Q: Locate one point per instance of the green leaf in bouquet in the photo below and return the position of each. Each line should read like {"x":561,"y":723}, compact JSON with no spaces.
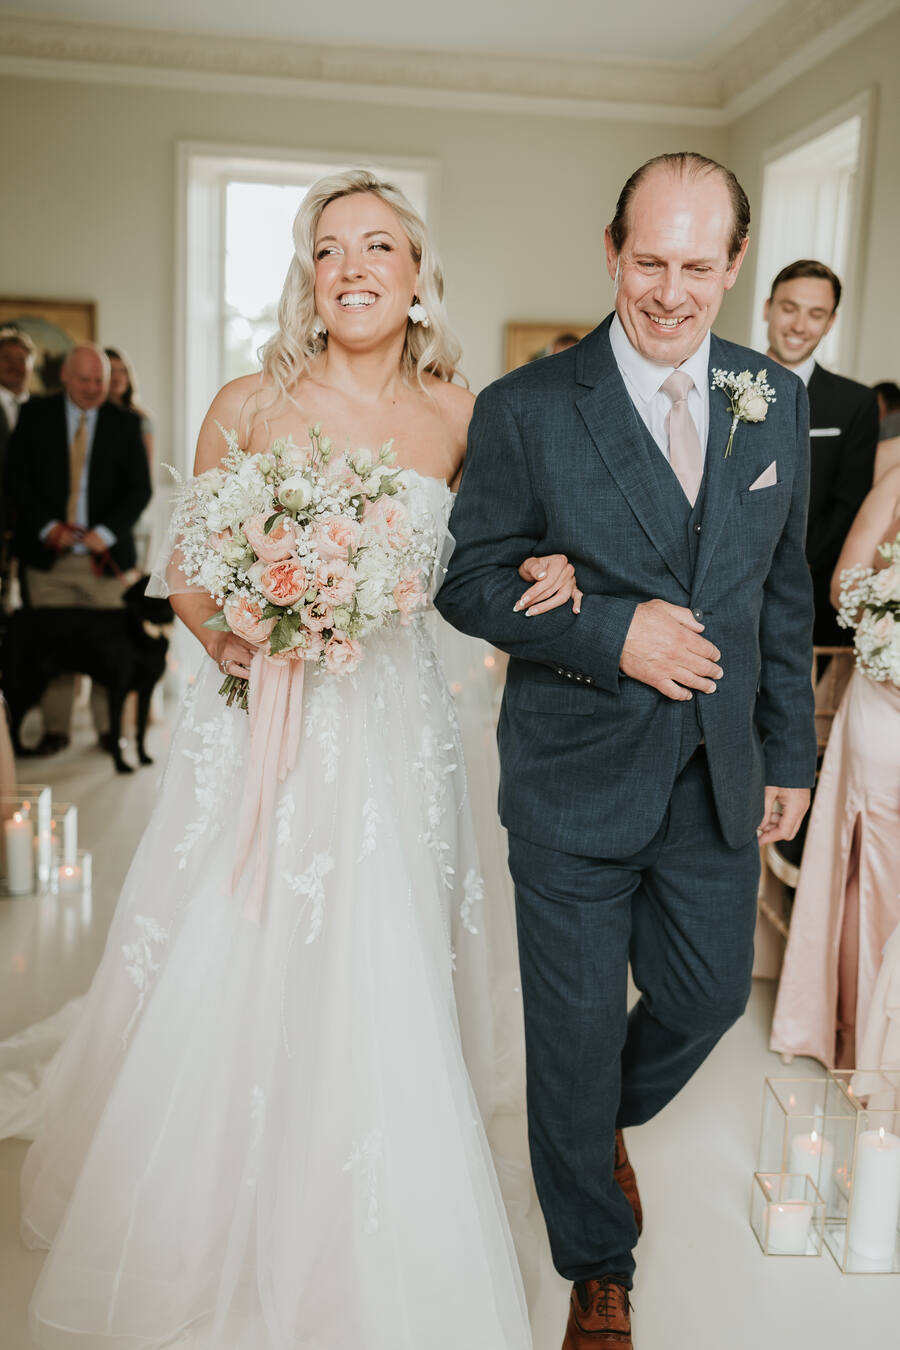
{"x":284,"y":632}
{"x":271,"y":611}
{"x":217,"y":622}
{"x":274,"y":520}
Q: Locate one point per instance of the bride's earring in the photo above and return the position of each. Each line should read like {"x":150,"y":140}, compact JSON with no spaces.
{"x":318,"y":328}
{"x":418,"y":313}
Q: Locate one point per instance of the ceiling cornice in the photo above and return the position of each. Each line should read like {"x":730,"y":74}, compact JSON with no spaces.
{"x":802,"y":33}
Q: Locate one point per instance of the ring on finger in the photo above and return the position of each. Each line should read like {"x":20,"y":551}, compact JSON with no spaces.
{"x":223,"y":666}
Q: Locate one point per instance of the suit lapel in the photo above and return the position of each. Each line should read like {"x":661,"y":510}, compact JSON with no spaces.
{"x":615,"y":428}
{"x":720,"y":475}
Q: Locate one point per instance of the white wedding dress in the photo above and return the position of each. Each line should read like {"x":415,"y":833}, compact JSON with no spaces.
{"x":270,"y":1137}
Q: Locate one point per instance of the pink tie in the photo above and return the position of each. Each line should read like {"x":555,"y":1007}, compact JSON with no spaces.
{"x":685,"y":450}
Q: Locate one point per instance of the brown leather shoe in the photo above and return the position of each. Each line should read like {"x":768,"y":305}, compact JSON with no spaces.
{"x":624,"y":1174}
{"x":599,"y":1316}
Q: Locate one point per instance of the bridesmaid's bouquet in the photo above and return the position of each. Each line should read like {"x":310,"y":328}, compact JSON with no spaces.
{"x":870,"y":603}
{"x":308,"y":550}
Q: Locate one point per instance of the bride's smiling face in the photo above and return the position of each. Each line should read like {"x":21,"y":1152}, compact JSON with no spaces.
{"x":366,"y":274}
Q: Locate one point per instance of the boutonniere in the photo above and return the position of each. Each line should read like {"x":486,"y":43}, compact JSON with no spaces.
{"x":749,"y":398}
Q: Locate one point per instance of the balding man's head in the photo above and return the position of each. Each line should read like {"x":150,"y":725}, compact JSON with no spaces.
{"x":85,"y":376}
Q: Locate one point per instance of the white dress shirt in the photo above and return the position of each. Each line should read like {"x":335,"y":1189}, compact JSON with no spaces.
{"x":644,"y":380}
{"x":805,"y":369}
{"x":11,"y":405}
{"x":74,"y":415}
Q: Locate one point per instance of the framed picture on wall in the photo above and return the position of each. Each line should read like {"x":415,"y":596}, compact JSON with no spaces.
{"x":527,"y":341}
{"x":55,"y":327}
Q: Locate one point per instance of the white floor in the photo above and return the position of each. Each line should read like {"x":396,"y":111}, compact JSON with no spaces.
{"x":702,"y":1283}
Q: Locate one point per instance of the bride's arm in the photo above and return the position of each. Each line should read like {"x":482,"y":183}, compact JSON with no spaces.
{"x":195,"y":607}
{"x":876,"y":523}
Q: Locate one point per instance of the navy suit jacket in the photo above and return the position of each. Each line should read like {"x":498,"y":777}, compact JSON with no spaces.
{"x":557,"y":463}
{"x":37,"y":477}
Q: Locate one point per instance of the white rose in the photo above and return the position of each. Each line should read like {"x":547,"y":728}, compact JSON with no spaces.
{"x":754,"y":407}
{"x":886,"y":583}
{"x":233,"y":552}
{"x":883,"y":629}
{"x":362,"y":459}
{"x":295,"y":492}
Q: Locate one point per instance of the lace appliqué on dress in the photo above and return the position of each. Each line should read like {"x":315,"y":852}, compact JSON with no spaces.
{"x":212,"y":762}
{"x":473,"y":894}
{"x":366,"y":1158}
{"x":143,"y":958}
{"x":434,"y":764}
{"x":322,"y":718}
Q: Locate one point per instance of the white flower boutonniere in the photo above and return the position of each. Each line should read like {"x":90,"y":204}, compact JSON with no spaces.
{"x":749,"y":397}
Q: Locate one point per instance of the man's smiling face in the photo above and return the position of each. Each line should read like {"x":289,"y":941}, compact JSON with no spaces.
{"x":673,"y":269}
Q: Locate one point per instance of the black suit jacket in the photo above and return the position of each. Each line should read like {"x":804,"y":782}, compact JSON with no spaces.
{"x":843,"y":431}
{"x":37,"y":477}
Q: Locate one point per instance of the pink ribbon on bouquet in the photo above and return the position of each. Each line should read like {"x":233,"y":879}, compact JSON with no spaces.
{"x":276,"y":720}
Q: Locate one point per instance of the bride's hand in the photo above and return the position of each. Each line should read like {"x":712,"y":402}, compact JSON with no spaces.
{"x":554,"y":584}
{"x":231,"y":654}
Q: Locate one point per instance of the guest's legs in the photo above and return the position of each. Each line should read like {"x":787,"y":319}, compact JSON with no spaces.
{"x":693,"y":920}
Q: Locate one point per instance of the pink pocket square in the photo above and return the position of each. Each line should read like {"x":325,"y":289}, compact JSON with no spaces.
{"x":768,"y":478}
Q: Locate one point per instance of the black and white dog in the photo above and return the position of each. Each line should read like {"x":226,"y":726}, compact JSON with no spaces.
{"x":121,"y":649}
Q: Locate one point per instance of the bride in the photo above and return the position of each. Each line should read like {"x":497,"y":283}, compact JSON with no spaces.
{"x":270,"y":1136}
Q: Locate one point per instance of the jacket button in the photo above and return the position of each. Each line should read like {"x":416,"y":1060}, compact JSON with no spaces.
{"x":698,"y":529}
{"x":698,"y":615}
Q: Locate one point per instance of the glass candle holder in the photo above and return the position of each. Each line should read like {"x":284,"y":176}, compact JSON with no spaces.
{"x":792,"y":1134}
{"x":787,"y":1214}
{"x":25,"y":816}
{"x":862,"y":1124}
{"x":64,"y":832}
{"x":73,"y":879}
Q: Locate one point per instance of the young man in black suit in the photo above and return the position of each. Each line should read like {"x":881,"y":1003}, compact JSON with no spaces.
{"x":843,"y":424}
{"x":77,"y":479}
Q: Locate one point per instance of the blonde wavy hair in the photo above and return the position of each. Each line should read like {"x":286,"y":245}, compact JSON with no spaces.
{"x":287,"y":355}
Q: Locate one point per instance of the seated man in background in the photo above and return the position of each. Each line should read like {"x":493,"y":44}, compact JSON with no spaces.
{"x":843,"y":424}
{"x":77,"y":480}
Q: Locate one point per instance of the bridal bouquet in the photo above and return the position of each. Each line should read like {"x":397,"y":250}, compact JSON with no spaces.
{"x":870,"y":603}
{"x":307,"y":549}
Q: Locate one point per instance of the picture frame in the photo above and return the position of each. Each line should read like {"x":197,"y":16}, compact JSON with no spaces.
{"x":527,"y":341}
{"x":55,"y":327}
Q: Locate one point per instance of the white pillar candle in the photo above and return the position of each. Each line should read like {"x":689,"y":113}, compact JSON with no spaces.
{"x":875,"y":1201}
{"x":70,"y":834}
{"x":814,"y":1156}
{"x":19,"y":833}
{"x":788,"y":1228}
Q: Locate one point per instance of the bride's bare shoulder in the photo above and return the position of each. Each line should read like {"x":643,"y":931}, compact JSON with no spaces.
{"x":230,"y":410}
{"x":455,"y":404}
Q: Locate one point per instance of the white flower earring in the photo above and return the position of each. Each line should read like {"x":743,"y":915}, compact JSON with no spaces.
{"x":318,"y":328}
{"x":418,"y":313}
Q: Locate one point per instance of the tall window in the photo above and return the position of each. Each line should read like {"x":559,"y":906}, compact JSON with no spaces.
{"x":236,"y":211}
{"x":811,"y":205}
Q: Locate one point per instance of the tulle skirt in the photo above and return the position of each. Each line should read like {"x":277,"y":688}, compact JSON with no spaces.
{"x":270,"y":1136}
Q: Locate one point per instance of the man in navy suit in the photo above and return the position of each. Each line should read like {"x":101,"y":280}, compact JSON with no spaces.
{"x":77,"y":478}
{"x":651,"y":741}
{"x":843,"y":425}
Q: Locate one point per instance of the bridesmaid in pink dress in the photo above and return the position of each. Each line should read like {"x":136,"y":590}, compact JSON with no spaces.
{"x":848,"y":897}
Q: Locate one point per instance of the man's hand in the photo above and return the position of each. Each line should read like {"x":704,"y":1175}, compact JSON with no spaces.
{"x":663,"y":648}
{"x":61,"y":537}
{"x":94,"y":542}
{"x":784,"y":810}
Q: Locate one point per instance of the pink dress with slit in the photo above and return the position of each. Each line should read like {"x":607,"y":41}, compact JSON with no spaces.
{"x":847,"y":903}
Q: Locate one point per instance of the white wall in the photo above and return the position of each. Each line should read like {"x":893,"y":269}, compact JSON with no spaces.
{"x":523,"y":203}
{"x":871,"y":61}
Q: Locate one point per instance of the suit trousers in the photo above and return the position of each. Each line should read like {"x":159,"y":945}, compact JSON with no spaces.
{"x":682,"y":911}
{"x":71,"y":584}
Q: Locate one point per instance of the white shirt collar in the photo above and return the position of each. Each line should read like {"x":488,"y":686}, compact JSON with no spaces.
{"x":804,"y":370}
{"x":647,"y":376}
